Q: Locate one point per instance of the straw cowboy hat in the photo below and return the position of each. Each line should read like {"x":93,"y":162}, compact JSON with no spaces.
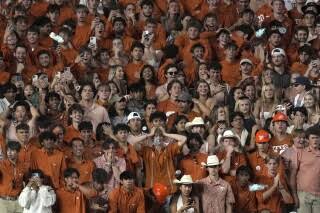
{"x":195,"y":122}
{"x":185,"y":179}
{"x":212,"y":160}
{"x":229,"y":134}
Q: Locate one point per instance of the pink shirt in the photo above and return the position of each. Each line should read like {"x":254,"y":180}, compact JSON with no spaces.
{"x":215,"y":195}
{"x":307,"y":162}
{"x":102,"y":163}
{"x":96,"y":114}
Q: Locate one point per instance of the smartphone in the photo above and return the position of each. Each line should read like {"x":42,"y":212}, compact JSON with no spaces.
{"x":67,"y":74}
{"x":19,"y":78}
{"x":146,"y":34}
{"x":34,"y":79}
{"x":56,"y":37}
{"x":190,"y":201}
{"x":93,"y":40}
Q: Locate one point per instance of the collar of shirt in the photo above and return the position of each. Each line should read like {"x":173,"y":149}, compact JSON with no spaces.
{"x":73,"y":160}
{"x":123,"y":191}
{"x":209,"y":181}
{"x":47,"y":153}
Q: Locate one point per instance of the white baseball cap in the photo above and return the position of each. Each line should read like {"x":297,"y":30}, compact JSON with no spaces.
{"x":133,"y":115}
{"x":246,"y":60}
{"x":278,"y":51}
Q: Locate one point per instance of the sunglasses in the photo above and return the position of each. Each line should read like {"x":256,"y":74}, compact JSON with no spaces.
{"x":172,"y":73}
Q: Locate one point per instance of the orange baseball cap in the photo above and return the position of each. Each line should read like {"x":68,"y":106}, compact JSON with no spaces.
{"x":279,"y":116}
{"x":161,"y":192}
{"x":262,"y":136}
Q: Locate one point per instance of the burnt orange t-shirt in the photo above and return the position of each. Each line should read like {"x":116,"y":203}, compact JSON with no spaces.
{"x":25,"y":153}
{"x":299,"y":67}
{"x":71,"y":132}
{"x":131,"y":157}
{"x":237,"y":160}
{"x":52,"y":165}
{"x":132,"y":71}
{"x":69,"y":201}
{"x":246,"y":201}
{"x":168,"y":105}
{"x":85,"y":168}
{"x":191,"y":165}
{"x":121,"y":201}
{"x":159,"y":167}
{"x":231,"y":72}
{"x":10,"y":173}
{"x":279,"y":146}
{"x":275,"y":202}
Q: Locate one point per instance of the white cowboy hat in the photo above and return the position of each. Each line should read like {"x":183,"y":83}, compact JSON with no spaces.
{"x":195,"y":122}
{"x":186,"y":179}
{"x":212,"y":160}
{"x":229,"y":134}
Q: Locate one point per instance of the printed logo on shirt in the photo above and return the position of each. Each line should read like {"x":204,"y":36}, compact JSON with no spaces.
{"x":258,"y":168}
{"x":280,"y":149}
{"x":221,"y":188}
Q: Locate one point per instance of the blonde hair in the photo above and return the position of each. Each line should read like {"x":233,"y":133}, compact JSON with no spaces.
{"x":237,"y":106}
{"x":316,"y":101}
{"x":263,"y":90}
{"x":112,"y":71}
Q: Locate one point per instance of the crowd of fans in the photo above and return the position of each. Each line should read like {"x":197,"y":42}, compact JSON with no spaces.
{"x":158,"y":106}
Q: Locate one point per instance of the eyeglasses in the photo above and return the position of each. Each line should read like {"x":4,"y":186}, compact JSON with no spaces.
{"x":182,"y":101}
{"x":172,"y":73}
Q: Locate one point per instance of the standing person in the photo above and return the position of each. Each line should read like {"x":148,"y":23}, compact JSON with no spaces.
{"x":27,"y":147}
{"x":125,"y":149}
{"x":275,"y":193}
{"x":281,"y":140}
{"x":37,"y":197}
{"x":191,"y":163}
{"x":304,"y":178}
{"x":127,"y":197}
{"x":232,"y":155}
{"x":11,"y":179}
{"x":158,"y":157}
{"x":48,"y":159}
{"x":70,"y":198}
{"x":76,"y":113}
{"x":92,"y":111}
{"x":216,"y":193}
{"x":185,"y":200}
{"x":258,"y":157}
{"x":299,"y":142}
{"x":112,"y":164}
{"x":99,"y":190}
{"x":78,"y":161}
{"x":245,"y":199}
